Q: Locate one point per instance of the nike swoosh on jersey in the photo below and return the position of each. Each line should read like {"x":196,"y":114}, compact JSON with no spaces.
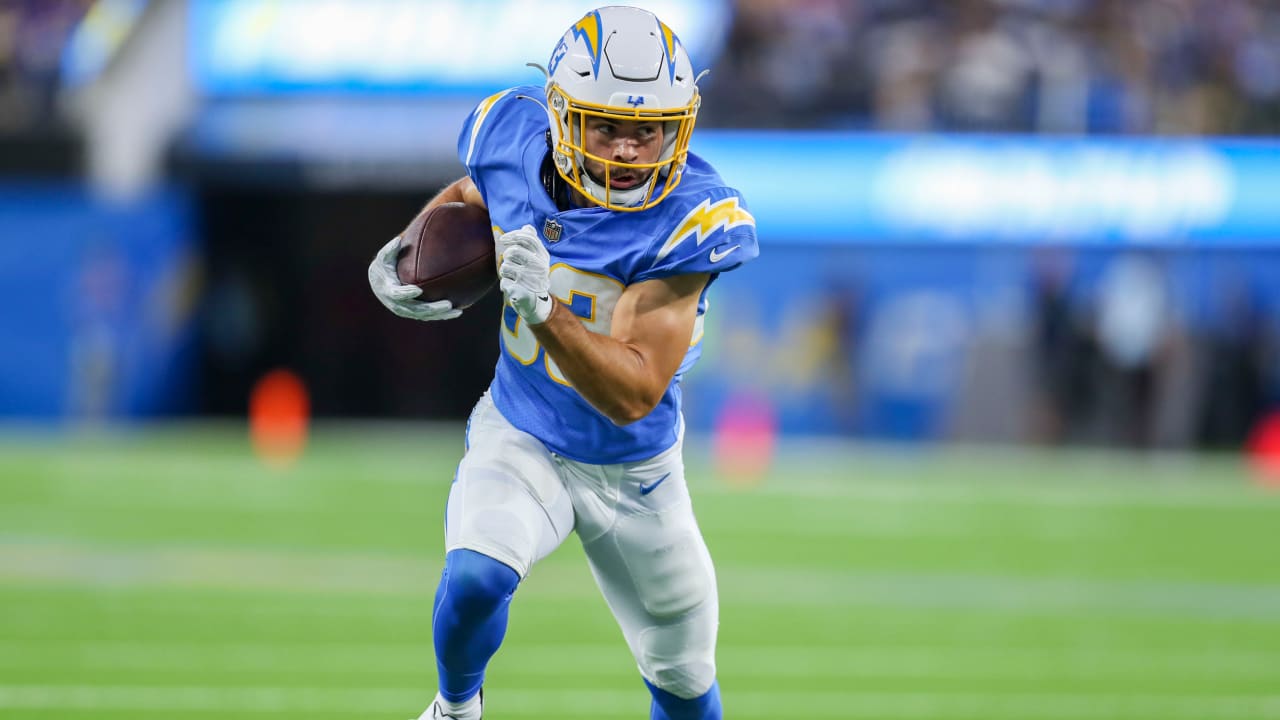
{"x":718,"y":256}
{"x":646,"y":489}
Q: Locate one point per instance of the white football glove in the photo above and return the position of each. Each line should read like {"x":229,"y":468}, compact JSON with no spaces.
{"x":525,"y":269}
{"x":401,"y":299}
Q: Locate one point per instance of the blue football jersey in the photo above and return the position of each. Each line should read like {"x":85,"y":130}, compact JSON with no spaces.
{"x":701,"y":227}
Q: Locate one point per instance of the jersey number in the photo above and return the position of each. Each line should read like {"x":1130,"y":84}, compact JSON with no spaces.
{"x":590,"y":296}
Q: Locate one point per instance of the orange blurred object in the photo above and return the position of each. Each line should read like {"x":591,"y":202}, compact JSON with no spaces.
{"x":279,"y":415}
{"x":1264,"y":449}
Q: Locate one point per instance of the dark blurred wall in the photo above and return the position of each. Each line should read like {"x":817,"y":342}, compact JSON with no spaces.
{"x":288,"y":288}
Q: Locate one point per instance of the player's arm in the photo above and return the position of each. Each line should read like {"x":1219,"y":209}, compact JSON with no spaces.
{"x":403,"y":299}
{"x":625,"y":374}
{"x":461,"y":190}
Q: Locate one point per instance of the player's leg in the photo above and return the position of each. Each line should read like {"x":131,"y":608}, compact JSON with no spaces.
{"x":653,"y":567}
{"x":469,"y":620}
{"x":507,"y":509}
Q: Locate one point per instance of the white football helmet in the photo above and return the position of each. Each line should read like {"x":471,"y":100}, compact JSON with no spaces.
{"x":622,"y":63}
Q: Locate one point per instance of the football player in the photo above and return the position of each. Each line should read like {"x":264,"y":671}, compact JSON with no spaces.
{"x":609,"y":234}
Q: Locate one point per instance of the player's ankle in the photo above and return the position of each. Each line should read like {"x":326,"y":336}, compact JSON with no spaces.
{"x":468,"y":709}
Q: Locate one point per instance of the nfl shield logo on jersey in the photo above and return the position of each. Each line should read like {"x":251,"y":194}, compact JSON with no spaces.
{"x":551,"y":230}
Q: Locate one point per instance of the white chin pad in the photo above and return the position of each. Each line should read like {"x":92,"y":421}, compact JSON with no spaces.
{"x":626,"y":198}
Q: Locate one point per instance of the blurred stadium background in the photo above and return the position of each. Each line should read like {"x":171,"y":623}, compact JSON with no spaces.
{"x":991,"y":430}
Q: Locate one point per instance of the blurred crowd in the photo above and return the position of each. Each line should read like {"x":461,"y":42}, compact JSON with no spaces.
{"x":33,"y":34}
{"x":1053,"y":346}
{"x":1053,"y":66}
{"x":1129,"y":364}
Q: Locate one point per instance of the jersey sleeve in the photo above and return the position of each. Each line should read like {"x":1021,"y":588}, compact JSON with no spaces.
{"x":715,"y":235}
{"x":486,"y":139}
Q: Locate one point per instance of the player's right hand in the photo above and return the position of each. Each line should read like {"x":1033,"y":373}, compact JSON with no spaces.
{"x":524,"y":269}
{"x":402,"y":299}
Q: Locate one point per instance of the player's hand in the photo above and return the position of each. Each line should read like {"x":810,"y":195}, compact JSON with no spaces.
{"x":402,"y":299}
{"x":524,"y":267}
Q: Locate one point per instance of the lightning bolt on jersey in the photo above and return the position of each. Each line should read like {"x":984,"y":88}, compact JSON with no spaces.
{"x":702,"y":227}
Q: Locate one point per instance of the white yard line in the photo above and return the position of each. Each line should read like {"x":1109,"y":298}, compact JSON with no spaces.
{"x":569,"y":702}
{"x":789,"y":661}
{"x":804,"y":468}
{"x":803,"y":483}
{"x":1092,"y":494}
{"x":987,"y":592}
{"x":753,"y":586}
{"x":215,"y":567}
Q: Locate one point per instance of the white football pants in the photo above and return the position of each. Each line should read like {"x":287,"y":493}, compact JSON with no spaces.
{"x":516,"y":501}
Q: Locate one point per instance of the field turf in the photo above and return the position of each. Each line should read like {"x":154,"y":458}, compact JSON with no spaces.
{"x":169,"y":574}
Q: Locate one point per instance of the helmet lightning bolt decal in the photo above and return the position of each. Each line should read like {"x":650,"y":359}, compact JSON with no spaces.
{"x":669,"y":43}
{"x":704,"y":220}
{"x":591,"y":30}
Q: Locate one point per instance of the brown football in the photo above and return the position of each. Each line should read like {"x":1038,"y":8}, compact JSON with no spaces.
{"x":449,"y":253}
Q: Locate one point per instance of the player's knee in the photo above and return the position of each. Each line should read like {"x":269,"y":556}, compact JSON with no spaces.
{"x":476,"y":582}
{"x":672,"y":707}
{"x":680,"y":659}
{"x":686,"y":681}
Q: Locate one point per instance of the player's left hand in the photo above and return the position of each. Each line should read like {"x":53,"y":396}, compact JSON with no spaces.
{"x":524,"y":267}
{"x":399,"y":298}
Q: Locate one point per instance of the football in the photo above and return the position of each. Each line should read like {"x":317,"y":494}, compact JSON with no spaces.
{"x":449,"y":253}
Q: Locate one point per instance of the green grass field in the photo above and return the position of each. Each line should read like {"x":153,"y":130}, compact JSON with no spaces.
{"x":167,"y":575}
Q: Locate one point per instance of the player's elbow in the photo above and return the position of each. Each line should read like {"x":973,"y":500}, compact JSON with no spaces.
{"x":628,"y":413}
{"x":632,"y":408}
{"x":626,"y":418}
